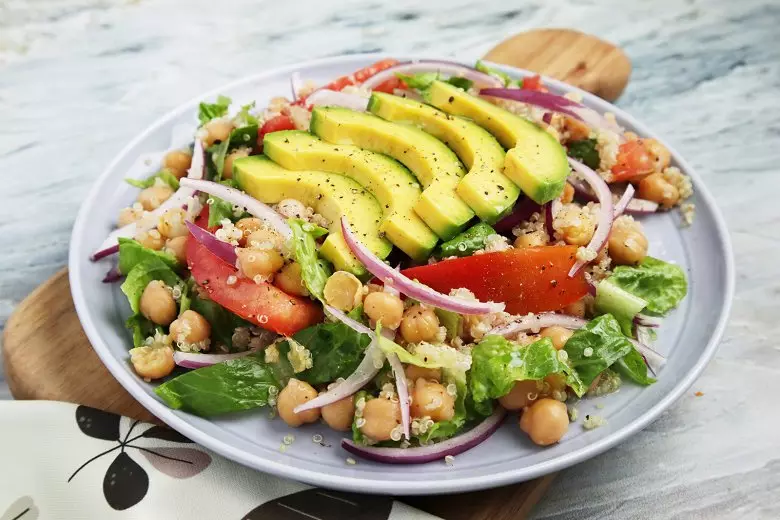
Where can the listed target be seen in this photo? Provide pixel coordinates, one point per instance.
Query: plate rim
(375, 485)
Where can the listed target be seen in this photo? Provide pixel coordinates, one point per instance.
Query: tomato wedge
(533, 83)
(533, 279)
(275, 124)
(634, 159)
(357, 77)
(263, 304)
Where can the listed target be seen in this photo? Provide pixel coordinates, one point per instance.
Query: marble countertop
(79, 78)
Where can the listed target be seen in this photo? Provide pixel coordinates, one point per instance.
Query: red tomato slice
(390, 85)
(533, 279)
(263, 304)
(357, 77)
(634, 159)
(533, 83)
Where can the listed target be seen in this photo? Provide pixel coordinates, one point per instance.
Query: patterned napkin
(62, 461)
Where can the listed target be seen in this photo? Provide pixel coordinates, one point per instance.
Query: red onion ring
(197, 360)
(432, 452)
(654, 360)
(419, 292)
(643, 320)
(446, 67)
(540, 321)
(635, 206)
(401, 386)
(295, 85)
(622, 204)
(241, 199)
(555, 103)
(606, 213)
(522, 211)
(223, 250)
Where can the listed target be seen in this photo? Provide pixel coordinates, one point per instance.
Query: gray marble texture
(79, 78)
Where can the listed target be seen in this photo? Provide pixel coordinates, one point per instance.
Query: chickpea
(157, 303)
(576, 128)
(171, 224)
(151, 198)
(152, 362)
(384, 307)
(343, 291)
(660, 154)
(177, 247)
(558, 335)
(227, 170)
(654, 187)
(289, 280)
(190, 328)
(291, 208)
(264, 238)
(532, 239)
(576, 309)
(129, 215)
(339, 415)
(567, 196)
(419, 324)
(546, 421)
(555, 383)
(414, 373)
(248, 226)
(217, 130)
(522, 394)
(262, 263)
(294, 394)
(432, 399)
(576, 225)
(178, 162)
(152, 239)
(627, 243)
(381, 416)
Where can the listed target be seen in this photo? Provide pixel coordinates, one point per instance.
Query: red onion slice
(332, 98)
(641, 206)
(621, 205)
(522, 211)
(419, 292)
(606, 213)
(372, 362)
(296, 84)
(241, 199)
(643, 320)
(223, 250)
(113, 275)
(654, 360)
(540, 321)
(197, 168)
(555, 103)
(401, 386)
(197, 360)
(432, 452)
(448, 68)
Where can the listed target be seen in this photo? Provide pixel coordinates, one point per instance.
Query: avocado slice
(394, 187)
(484, 188)
(536, 161)
(330, 195)
(435, 166)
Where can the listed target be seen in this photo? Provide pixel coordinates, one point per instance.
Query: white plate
(689, 336)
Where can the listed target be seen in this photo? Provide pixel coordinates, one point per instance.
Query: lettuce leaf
(131, 253)
(231, 386)
(452, 321)
(661, 284)
(164, 175)
(498, 363)
(503, 76)
(467, 242)
(143, 273)
(423, 80)
(244, 118)
(596, 346)
(141, 328)
(314, 270)
(336, 351)
(585, 151)
(209, 111)
(624, 306)
(633, 366)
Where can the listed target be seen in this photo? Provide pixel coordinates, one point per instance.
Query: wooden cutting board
(47, 355)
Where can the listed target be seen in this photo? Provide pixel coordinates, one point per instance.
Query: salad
(406, 254)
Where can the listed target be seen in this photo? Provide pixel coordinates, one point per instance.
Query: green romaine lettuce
(336, 351)
(244, 118)
(314, 270)
(596, 346)
(164, 175)
(452, 321)
(141, 327)
(624, 306)
(467, 242)
(498, 363)
(238, 384)
(423, 80)
(585, 151)
(131, 253)
(661, 284)
(209, 111)
(633, 366)
(503, 76)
